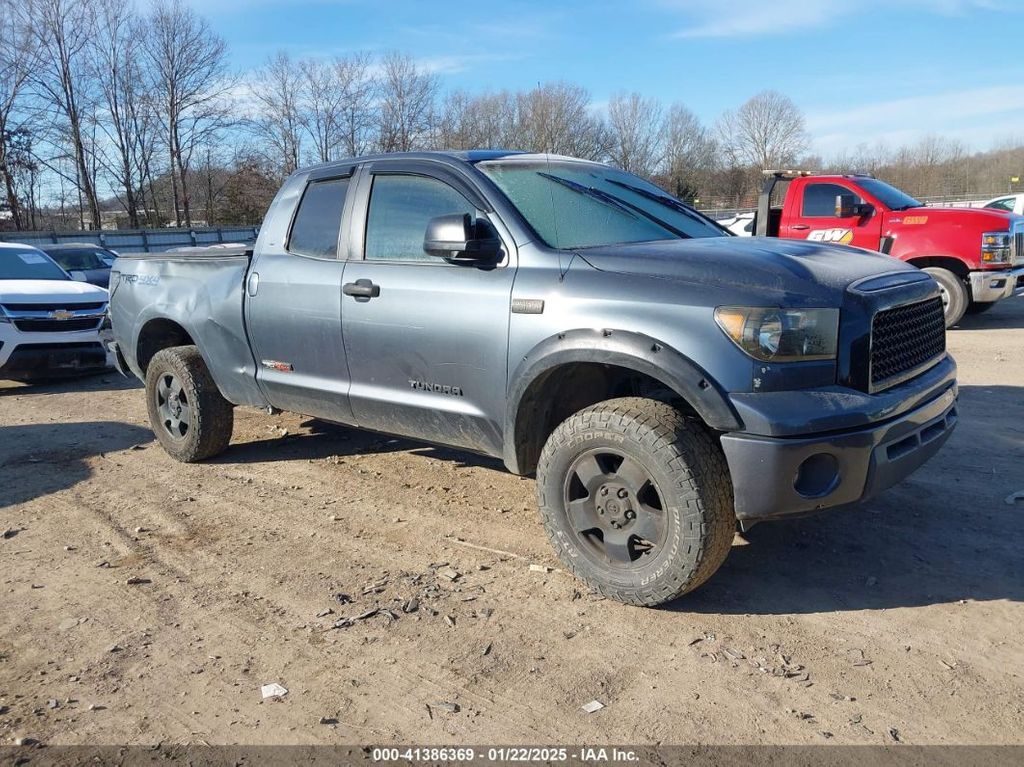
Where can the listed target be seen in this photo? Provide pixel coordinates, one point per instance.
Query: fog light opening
(817, 476)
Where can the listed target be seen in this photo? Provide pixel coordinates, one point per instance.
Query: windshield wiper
(614, 202)
(669, 202)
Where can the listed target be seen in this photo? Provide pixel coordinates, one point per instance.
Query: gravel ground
(143, 601)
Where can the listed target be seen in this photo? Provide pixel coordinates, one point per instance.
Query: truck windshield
(888, 195)
(27, 264)
(574, 205)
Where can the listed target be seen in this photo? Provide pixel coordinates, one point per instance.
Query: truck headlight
(995, 247)
(781, 335)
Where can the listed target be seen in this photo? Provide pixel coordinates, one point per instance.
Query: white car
(1011, 202)
(741, 225)
(49, 323)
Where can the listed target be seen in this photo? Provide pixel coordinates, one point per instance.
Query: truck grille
(55, 318)
(45, 308)
(56, 326)
(1017, 255)
(905, 340)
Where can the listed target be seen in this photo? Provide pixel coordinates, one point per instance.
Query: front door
(816, 220)
(293, 309)
(426, 338)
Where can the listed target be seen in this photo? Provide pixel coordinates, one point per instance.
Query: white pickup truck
(49, 323)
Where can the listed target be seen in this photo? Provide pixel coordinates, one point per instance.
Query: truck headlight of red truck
(996, 247)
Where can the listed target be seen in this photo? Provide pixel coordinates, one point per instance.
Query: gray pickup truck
(663, 379)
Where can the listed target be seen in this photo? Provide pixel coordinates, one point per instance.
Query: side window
(820, 199)
(400, 207)
(318, 220)
(1004, 204)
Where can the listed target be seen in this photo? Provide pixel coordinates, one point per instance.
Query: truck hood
(978, 219)
(49, 292)
(795, 271)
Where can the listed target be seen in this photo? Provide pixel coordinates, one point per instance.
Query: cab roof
(471, 156)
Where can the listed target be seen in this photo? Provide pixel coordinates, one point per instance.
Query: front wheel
(189, 416)
(636, 500)
(955, 298)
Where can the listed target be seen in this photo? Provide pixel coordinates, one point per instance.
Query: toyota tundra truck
(662, 379)
(975, 255)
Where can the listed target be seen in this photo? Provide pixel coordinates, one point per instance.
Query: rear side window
(820, 199)
(1004, 204)
(318, 220)
(79, 259)
(400, 207)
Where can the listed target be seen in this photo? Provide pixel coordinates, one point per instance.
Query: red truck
(976, 255)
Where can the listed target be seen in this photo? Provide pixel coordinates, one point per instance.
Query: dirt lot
(900, 621)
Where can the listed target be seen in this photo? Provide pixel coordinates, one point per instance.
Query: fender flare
(622, 348)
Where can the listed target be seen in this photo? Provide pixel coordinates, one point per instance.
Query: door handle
(799, 227)
(361, 290)
(252, 284)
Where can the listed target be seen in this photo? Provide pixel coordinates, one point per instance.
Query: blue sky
(862, 71)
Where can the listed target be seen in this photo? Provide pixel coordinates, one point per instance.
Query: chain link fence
(140, 240)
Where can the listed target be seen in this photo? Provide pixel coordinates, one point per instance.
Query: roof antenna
(562, 269)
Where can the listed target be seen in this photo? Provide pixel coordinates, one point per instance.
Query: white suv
(49, 324)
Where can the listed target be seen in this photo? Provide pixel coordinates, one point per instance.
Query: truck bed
(196, 293)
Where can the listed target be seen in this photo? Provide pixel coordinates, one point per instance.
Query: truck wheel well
(954, 265)
(558, 393)
(157, 335)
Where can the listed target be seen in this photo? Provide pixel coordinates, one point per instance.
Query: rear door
(294, 306)
(812, 216)
(428, 342)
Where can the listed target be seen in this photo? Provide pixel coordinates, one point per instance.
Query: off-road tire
(685, 462)
(977, 307)
(955, 298)
(211, 417)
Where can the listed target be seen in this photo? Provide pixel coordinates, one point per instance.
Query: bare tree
(324, 105)
(484, 121)
(192, 84)
(407, 93)
(16, 60)
(60, 30)
(556, 117)
(635, 133)
(278, 90)
(358, 88)
(689, 161)
(453, 127)
(766, 132)
(126, 116)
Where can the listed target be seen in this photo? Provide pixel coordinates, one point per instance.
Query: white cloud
(976, 116)
(751, 18)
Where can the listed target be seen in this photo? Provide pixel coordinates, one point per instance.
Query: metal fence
(135, 240)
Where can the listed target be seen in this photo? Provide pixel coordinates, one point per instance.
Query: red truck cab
(976, 255)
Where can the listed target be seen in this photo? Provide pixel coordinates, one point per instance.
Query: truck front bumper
(29, 362)
(990, 286)
(782, 476)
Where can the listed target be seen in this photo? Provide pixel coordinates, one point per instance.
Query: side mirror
(848, 207)
(458, 236)
(78, 276)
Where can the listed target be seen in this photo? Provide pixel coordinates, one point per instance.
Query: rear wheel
(977, 307)
(636, 500)
(955, 298)
(189, 416)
